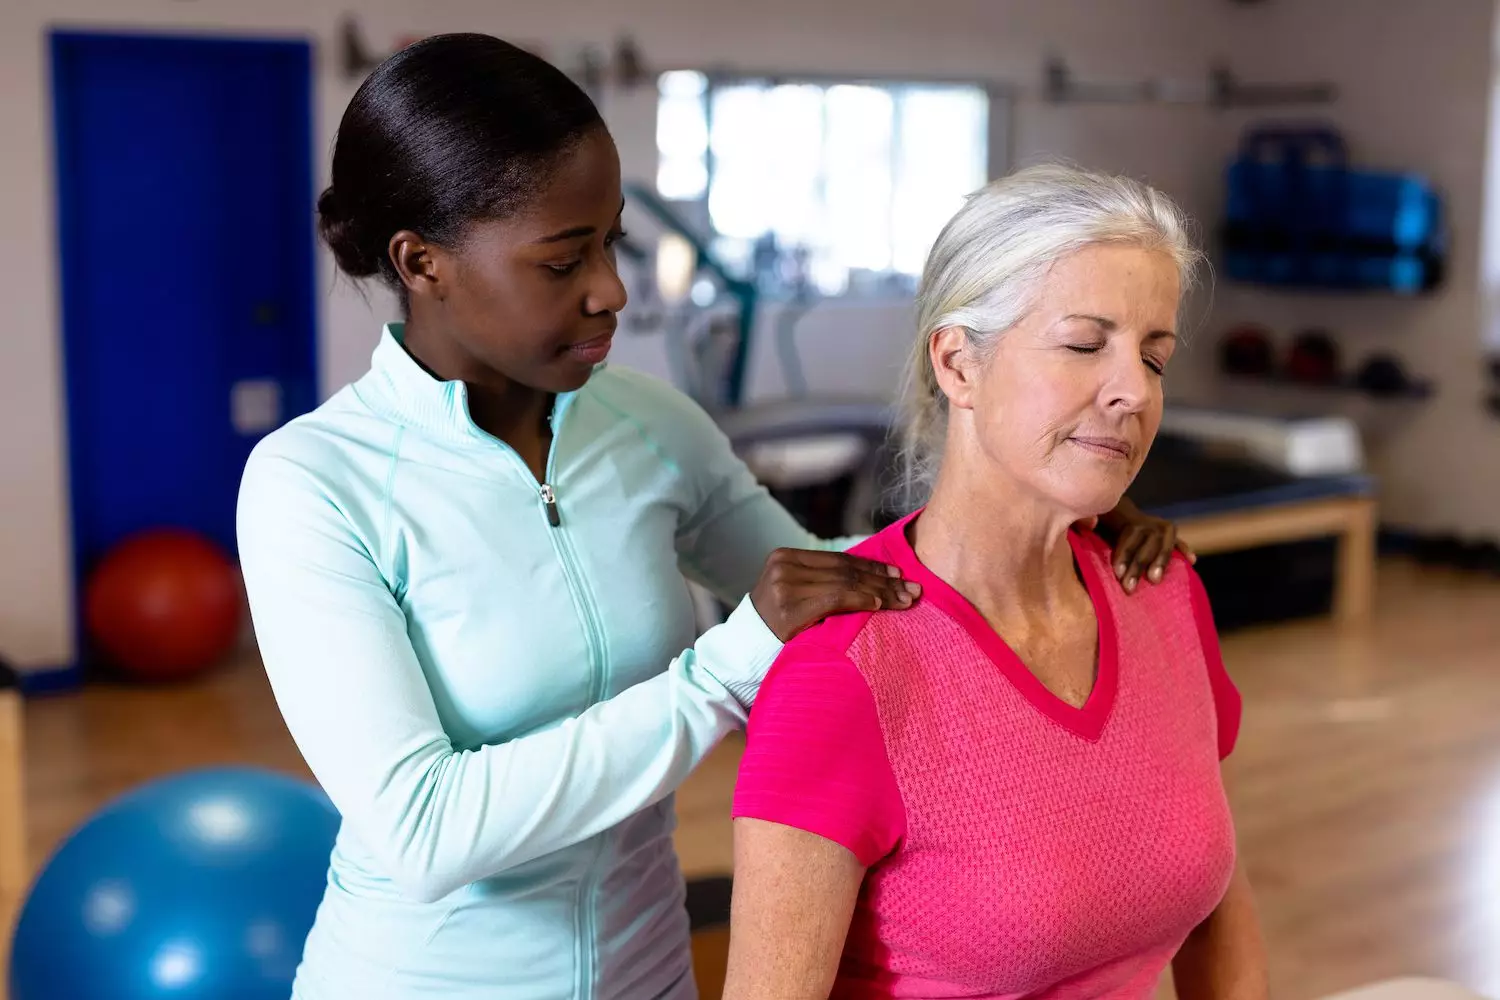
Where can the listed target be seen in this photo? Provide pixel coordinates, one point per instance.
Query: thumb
(1088, 523)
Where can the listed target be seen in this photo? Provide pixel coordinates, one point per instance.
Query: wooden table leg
(710, 961)
(1354, 588)
(14, 872)
(1352, 520)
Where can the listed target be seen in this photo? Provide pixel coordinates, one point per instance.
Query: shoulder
(836, 636)
(815, 756)
(1179, 611)
(828, 640)
(332, 458)
(335, 431)
(1171, 593)
(822, 654)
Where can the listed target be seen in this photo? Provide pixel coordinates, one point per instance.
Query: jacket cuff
(739, 652)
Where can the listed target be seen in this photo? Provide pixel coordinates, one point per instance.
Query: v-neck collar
(1087, 721)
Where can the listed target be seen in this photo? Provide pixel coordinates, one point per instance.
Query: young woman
(466, 568)
(1012, 788)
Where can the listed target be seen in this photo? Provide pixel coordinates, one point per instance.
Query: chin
(567, 377)
(1091, 500)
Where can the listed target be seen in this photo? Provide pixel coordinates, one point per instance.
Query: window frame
(998, 99)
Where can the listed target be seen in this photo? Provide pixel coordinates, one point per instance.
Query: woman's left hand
(1143, 545)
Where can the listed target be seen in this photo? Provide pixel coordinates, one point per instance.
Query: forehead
(1126, 284)
(579, 186)
(578, 194)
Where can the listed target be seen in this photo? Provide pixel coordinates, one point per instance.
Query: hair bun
(339, 232)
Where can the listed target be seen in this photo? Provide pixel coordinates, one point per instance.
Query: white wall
(948, 37)
(1416, 86)
(1441, 91)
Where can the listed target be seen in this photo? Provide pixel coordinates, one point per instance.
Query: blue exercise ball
(200, 885)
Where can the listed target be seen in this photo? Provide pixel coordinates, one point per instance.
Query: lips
(1105, 447)
(592, 350)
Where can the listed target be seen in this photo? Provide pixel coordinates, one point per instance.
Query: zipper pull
(549, 500)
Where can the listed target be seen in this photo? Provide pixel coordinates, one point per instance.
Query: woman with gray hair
(1012, 788)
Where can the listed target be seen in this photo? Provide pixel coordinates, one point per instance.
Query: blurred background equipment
(198, 886)
(790, 169)
(163, 605)
(1314, 359)
(812, 450)
(1299, 214)
(206, 144)
(1247, 351)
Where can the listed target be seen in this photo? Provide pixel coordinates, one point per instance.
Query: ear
(948, 351)
(418, 264)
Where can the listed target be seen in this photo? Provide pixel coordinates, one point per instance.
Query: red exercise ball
(164, 605)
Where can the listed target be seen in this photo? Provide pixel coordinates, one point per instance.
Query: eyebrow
(1109, 326)
(575, 232)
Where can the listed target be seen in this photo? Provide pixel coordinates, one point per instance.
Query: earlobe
(415, 264)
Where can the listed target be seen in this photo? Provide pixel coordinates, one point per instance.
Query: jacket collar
(402, 390)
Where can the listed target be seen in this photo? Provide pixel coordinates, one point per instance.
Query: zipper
(549, 503)
(588, 902)
(586, 919)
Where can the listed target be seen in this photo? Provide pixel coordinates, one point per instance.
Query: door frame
(62, 42)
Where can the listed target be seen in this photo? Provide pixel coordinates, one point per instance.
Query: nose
(606, 292)
(1130, 386)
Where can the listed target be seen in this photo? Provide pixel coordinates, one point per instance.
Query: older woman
(1012, 789)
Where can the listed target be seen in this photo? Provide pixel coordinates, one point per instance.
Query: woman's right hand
(800, 587)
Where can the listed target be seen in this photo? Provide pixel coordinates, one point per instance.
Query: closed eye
(1156, 366)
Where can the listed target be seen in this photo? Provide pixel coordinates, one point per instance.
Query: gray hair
(986, 265)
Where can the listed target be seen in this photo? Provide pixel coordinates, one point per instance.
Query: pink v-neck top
(1016, 845)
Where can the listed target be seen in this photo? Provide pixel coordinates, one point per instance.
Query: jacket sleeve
(354, 697)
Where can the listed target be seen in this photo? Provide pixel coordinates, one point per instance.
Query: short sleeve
(815, 757)
(1227, 701)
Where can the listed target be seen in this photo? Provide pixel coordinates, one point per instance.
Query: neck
(995, 542)
(514, 413)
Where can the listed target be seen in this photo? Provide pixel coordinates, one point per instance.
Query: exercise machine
(812, 450)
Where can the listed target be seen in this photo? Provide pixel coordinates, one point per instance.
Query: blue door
(185, 218)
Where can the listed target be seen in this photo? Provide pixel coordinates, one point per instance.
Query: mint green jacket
(497, 681)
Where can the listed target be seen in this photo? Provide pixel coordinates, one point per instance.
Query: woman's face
(1071, 400)
(535, 296)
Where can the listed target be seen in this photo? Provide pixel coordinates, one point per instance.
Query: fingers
(799, 588)
(1142, 559)
(831, 569)
(842, 592)
(838, 571)
(1146, 550)
(1168, 543)
(829, 559)
(813, 601)
(1125, 550)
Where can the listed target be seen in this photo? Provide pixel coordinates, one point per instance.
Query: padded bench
(1223, 504)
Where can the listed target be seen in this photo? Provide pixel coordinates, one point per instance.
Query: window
(837, 186)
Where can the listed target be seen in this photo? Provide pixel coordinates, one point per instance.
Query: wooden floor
(1366, 783)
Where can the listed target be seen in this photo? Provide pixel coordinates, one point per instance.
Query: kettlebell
(1383, 375)
(1246, 351)
(1313, 359)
